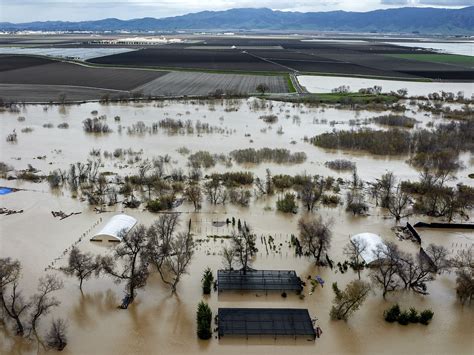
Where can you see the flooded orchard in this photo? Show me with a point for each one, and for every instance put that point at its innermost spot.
(166, 135)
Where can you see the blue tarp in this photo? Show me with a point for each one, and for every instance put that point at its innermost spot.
(5, 190)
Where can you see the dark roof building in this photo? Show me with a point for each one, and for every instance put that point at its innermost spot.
(258, 280)
(273, 322)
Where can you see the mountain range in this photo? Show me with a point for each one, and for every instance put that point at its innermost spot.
(399, 20)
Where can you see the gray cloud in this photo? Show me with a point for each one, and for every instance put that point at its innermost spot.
(453, 3)
(395, 2)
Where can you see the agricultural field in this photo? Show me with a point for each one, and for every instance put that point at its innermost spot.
(47, 93)
(164, 57)
(194, 83)
(438, 58)
(60, 73)
(367, 58)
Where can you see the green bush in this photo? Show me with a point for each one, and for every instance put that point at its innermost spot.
(204, 320)
(413, 315)
(163, 203)
(426, 316)
(207, 279)
(287, 204)
(404, 318)
(391, 315)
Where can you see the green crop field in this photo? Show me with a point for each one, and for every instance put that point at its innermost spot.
(437, 58)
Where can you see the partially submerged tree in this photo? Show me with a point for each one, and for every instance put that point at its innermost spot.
(132, 266)
(398, 204)
(243, 245)
(439, 256)
(346, 302)
(81, 265)
(384, 272)
(57, 334)
(194, 194)
(42, 301)
(354, 250)
(315, 236)
(168, 251)
(16, 307)
(228, 257)
(311, 192)
(463, 263)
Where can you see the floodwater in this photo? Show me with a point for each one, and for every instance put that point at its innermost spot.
(325, 84)
(161, 323)
(456, 47)
(76, 53)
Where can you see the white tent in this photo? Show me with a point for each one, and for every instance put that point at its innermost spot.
(114, 228)
(372, 241)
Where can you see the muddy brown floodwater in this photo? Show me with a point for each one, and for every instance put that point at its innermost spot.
(161, 323)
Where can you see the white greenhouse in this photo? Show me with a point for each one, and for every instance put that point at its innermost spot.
(115, 228)
(371, 241)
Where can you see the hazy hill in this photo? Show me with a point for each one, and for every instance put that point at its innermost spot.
(423, 20)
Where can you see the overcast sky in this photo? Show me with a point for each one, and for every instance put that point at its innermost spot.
(77, 10)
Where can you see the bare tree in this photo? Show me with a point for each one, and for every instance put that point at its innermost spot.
(214, 191)
(398, 204)
(194, 194)
(170, 253)
(384, 272)
(346, 302)
(463, 263)
(439, 256)
(12, 302)
(42, 301)
(176, 263)
(311, 192)
(56, 337)
(243, 244)
(354, 250)
(81, 265)
(15, 306)
(386, 184)
(133, 268)
(228, 257)
(315, 236)
(414, 272)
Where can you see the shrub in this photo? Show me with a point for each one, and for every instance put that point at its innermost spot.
(165, 202)
(204, 320)
(426, 316)
(328, 200)
(207, 280)
(287, 204)
(269, 118)
(95, 125)
(340, 165)
(395, 121)
(276, 155)
(404, 318)
(202, 159)
(413, 315)
(392, 314)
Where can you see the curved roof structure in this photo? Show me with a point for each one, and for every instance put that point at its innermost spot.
(372, 241)
(117, 225)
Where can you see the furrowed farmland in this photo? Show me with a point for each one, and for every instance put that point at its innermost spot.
(191, 83)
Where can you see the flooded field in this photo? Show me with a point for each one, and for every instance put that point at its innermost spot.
(159, 322)
(325, 84)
